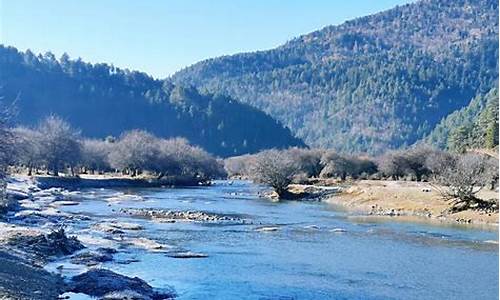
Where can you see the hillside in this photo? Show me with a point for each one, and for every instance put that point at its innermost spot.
(377, 82)
(103, 100)
(472, 127)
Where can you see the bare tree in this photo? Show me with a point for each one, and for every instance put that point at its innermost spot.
(337, 165)
(177, 155)
(414, 161)
(59, 144)
(463, 179)
(274, 168)
(438, 162)
(6, 145)
(308, 161)
(392, 164)
(27, 148)
(407, 162)
(136, 150)
(95, 155)
(239, 165)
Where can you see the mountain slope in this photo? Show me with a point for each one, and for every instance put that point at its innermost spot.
(473, 126)
(377, 82)
(103, 100)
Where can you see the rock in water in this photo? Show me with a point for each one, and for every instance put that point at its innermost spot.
(186, 254)
(110, 285)
(92, 258)
(268, 229)
(56, 243)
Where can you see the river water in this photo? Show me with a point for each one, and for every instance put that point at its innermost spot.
(317, 251)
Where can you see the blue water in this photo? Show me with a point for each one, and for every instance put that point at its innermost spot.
(304, 259)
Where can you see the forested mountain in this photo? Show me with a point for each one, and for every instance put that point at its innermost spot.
(102, 100)
(474, 126)
(377, 82)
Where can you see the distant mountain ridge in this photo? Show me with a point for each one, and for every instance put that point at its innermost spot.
(103, 100)
(373, 83)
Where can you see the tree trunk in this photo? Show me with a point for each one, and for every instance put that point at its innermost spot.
(419, 176)
(55, 170)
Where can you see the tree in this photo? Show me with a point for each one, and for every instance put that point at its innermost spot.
(463, 178)
(27, 148)
(59, 144)
(135, 151)
(336, 165)
(239, 165)
(414, 160)
(6, 143)
(177, 156)
(407, 162)
(308, 161)
(391, 164)
(95, 155)
(438, 161)
(273, 168)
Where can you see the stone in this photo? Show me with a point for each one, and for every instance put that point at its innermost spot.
(105, 283)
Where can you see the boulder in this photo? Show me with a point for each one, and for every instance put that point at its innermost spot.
(92, 258)
(107, 284)
(186, 254)
(56, 243)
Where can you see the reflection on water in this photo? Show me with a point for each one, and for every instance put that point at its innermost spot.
(308, 250)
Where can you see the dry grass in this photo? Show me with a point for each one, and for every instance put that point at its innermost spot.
(401, 198)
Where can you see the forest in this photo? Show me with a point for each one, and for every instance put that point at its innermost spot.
(378, 82)
(102, 100)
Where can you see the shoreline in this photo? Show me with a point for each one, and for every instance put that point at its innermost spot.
(406, 201)
(109, 181)
(32, 238)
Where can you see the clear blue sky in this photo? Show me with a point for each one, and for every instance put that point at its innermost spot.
(160, 37)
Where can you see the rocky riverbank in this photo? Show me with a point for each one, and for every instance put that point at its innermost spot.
(33, 236)
(407, 200)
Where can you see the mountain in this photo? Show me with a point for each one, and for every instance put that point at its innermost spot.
(473, 126)
(373, 83)
(103, 100)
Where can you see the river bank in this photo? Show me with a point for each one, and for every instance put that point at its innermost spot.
(114, 181)
(33, 237)
(409, 200)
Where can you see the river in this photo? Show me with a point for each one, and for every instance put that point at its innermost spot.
(316, 251)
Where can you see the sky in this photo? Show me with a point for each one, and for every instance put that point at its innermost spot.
(160, 37)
